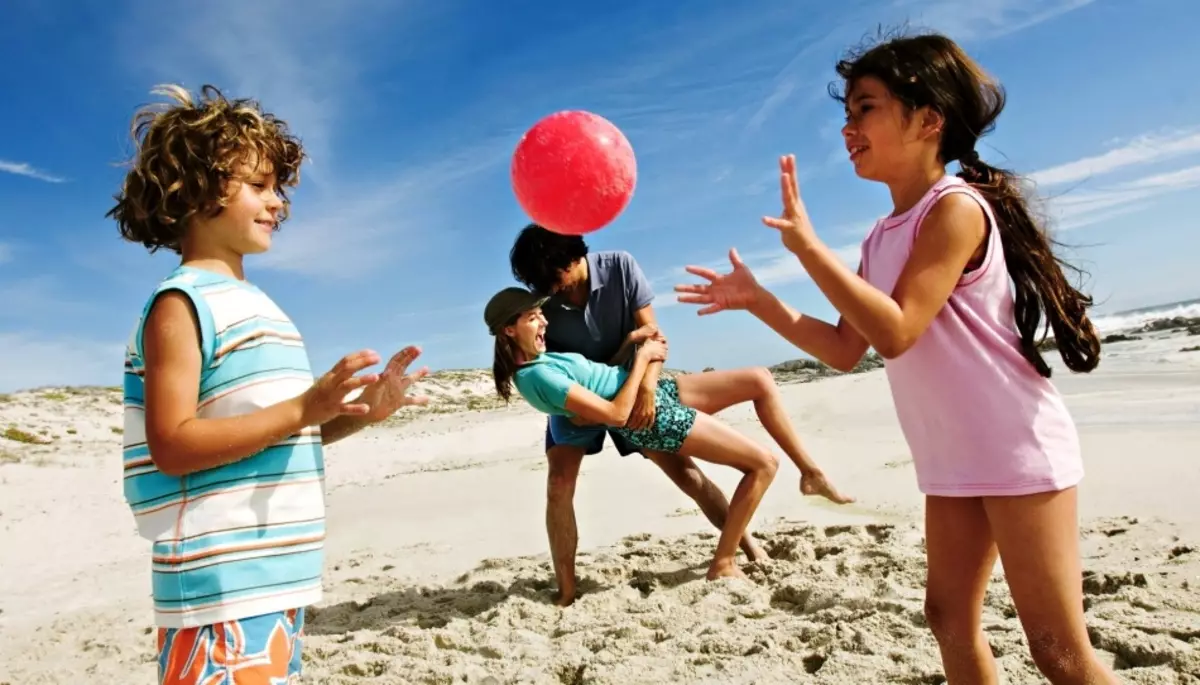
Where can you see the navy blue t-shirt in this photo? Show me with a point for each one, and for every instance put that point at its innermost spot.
(618, 289)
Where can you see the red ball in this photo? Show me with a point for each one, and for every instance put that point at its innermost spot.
(573, 172)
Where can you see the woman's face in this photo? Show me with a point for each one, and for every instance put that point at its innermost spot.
(529, 332)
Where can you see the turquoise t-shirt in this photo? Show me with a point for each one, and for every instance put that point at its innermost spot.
(544, 382)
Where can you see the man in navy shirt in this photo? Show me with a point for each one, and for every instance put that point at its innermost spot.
(600, 307)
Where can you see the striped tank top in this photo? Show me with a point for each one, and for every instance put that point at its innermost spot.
(247, 538)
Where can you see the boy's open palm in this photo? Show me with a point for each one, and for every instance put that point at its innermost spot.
(388, 394)
(326, 399)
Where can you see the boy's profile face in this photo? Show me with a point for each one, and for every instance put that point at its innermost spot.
(246, 224)
(572, 280)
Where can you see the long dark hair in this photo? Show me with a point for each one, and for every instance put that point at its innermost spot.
(504, 364)
(931, 70)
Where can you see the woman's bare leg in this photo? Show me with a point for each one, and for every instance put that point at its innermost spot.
(713, 391)
(1038, 538)
(713, 441)
(688, 477)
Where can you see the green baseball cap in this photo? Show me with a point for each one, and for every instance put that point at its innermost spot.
(507, 304)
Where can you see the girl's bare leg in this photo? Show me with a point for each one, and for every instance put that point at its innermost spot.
(713, 441)
(960, 555)
(1038, 539)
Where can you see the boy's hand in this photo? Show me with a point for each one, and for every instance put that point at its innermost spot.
(388, 394)
(326, 398)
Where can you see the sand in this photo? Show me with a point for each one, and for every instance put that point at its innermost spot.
(437, 560)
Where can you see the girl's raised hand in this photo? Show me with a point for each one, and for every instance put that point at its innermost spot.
(793, 224)
(737, 289)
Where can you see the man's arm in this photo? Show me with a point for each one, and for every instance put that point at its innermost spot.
(645, 317)
(640, 296)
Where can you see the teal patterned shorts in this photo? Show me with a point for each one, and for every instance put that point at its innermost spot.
(672, 421)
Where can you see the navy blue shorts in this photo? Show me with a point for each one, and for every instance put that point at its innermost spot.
(591, 438)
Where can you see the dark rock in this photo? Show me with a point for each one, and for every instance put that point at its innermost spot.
(1170, 324)
(808, 370)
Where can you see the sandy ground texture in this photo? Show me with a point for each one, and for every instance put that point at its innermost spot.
(437, 567)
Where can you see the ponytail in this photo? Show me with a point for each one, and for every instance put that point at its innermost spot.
(504, 366)
(932, 71)
(1038, 275)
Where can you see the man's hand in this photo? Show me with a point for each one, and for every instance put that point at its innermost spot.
(642, 334)
(388, 394)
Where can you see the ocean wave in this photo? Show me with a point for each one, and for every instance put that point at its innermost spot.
(1134, 319)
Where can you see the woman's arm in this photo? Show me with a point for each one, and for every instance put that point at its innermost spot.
(596, 410)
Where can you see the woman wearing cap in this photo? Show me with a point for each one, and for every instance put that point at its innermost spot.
(571, 385)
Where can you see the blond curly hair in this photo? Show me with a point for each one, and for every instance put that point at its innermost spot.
(188, 153)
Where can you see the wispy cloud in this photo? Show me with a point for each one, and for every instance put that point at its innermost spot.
(1069, 211)
(966, 22)
(38, 297)
(6, 253)
(297, 58)
(346, 234)
(25, 169)
(307, 62)
(1145, 149)
(986, 19)
(49, 360)
(784, 267)
(770, 267)
(1078, 209)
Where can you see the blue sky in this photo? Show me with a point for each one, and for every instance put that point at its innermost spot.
(410, 111)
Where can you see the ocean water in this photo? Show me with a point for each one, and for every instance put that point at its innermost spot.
(1133, 318)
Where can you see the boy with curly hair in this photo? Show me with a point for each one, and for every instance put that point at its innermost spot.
(224, 423)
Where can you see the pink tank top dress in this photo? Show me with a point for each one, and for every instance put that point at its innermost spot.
(977, 417)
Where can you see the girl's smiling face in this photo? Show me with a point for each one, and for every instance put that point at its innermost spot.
(884, 138)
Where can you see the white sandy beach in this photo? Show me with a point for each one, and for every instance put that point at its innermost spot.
(437, 557)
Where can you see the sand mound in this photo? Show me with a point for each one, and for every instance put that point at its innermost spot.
(841, 604)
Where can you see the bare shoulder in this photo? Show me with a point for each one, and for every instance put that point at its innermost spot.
(955, 216)
(169, 310)
(172, 329)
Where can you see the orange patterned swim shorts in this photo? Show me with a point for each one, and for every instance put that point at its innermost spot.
(261, 650)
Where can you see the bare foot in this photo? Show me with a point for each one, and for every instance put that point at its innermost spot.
(756, 553)
(724, 568)
(564, 599)
(815, 483)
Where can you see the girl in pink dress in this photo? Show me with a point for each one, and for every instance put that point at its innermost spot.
(950, 291)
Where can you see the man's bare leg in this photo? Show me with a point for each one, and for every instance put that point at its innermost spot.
(692, 481)
(565, 461)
